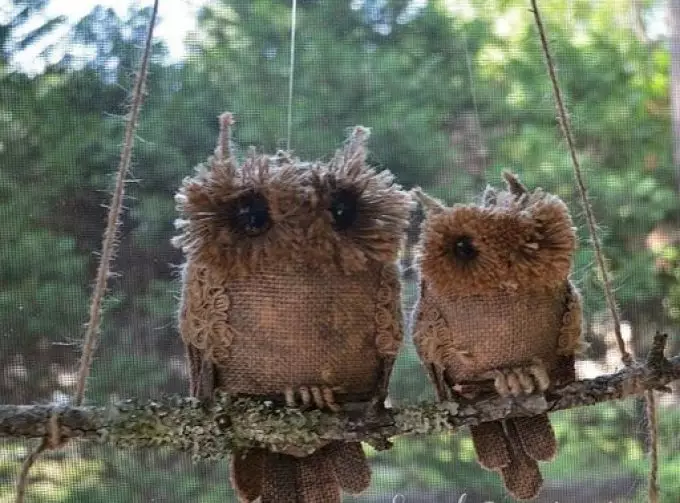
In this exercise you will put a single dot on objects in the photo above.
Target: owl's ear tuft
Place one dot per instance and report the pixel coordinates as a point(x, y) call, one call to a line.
point(352, 157)
point(360, 135)
point(429, 203)
point(490, 196)
point(515, 187)
point(223, 160)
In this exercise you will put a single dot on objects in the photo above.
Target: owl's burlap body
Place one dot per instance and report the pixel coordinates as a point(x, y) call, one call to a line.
point(272, 330)
point(290, 327)
point(466, 337)
point(475, 334)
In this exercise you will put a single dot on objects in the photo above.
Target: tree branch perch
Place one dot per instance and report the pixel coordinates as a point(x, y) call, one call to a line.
point(210, 431)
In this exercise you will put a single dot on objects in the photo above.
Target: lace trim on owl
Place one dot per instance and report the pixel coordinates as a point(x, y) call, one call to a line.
point(205, 322)
point(569, 341)
point(431, 338)
point(388, 319)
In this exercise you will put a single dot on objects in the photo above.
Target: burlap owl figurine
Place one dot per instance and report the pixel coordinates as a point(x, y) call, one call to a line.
point(291, 290)
point(498, 314)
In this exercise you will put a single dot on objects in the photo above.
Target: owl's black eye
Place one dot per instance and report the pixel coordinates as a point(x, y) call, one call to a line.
point(344, 208)
point(251, 214)
point(464, 249)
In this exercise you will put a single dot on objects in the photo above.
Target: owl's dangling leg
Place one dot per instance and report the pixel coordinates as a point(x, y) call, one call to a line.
point(246, 471)
point(513, 447)
point(278, 479)
point(535, 433)
point(522, 477)
point(202, 375)
point(316, 482)
point(317, 478)
point(491, 446)
point(537, 436)
point(350, 466)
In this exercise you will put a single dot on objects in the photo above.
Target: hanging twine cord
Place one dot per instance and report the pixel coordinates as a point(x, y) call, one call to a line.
point(53, 439)
point(563, 119)
point(291, 73)
point(653, 430)
point(113, 220)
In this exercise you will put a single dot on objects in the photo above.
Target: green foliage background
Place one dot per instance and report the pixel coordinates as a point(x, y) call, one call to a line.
point(453, 95)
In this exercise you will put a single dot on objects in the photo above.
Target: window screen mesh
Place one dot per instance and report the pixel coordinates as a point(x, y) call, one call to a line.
point(454, 93)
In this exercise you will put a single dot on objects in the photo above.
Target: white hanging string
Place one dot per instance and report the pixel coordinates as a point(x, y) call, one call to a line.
point(480, 142)
point(291, 71)
point(473, 93)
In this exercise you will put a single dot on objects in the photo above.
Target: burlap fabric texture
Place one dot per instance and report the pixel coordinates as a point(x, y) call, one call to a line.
point(496, 304)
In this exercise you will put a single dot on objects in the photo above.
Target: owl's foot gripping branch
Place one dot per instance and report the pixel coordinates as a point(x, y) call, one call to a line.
point(210, 431)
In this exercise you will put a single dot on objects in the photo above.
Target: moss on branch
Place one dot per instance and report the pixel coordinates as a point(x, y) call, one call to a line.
point(211, 430)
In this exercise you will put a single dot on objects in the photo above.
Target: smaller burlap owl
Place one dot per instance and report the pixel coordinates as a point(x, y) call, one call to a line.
point(498, 314)
point(291, 292)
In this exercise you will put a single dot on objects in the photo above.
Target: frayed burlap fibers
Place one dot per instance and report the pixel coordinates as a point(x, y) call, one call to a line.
point(497, 314)
point(291, 291)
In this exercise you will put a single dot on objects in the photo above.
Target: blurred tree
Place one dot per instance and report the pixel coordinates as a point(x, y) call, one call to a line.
point(355, 64)
point(60, 137)
point(16, 34)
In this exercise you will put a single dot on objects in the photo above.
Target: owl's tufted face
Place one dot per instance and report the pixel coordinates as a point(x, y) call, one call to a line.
point(276, 212)
point(509, 244)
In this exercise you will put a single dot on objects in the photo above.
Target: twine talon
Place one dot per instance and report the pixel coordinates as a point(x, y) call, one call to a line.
point(305, 396)
point(525, 381)
point(318, 397)
point(330, 399)
point(290, 397)
point(501, 384)
point(513, 383)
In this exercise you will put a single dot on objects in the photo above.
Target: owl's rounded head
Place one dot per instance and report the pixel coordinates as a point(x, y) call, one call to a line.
point(514, 241)
point(274, 212)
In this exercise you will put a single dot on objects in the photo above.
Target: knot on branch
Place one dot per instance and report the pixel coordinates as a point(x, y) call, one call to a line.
point(657, 364)
point(54, 438)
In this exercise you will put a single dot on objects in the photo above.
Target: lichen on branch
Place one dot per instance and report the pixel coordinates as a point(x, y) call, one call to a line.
point(212, 430)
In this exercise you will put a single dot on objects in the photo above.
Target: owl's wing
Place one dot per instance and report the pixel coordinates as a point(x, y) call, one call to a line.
point(201, 373)
point(389, 326)
point(202, 319)
point(426, 337)
point(572, 321)
point(569, 342)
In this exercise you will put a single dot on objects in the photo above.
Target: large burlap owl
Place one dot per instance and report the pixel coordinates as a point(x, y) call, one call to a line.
point(291, 290)
point(498, 314)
